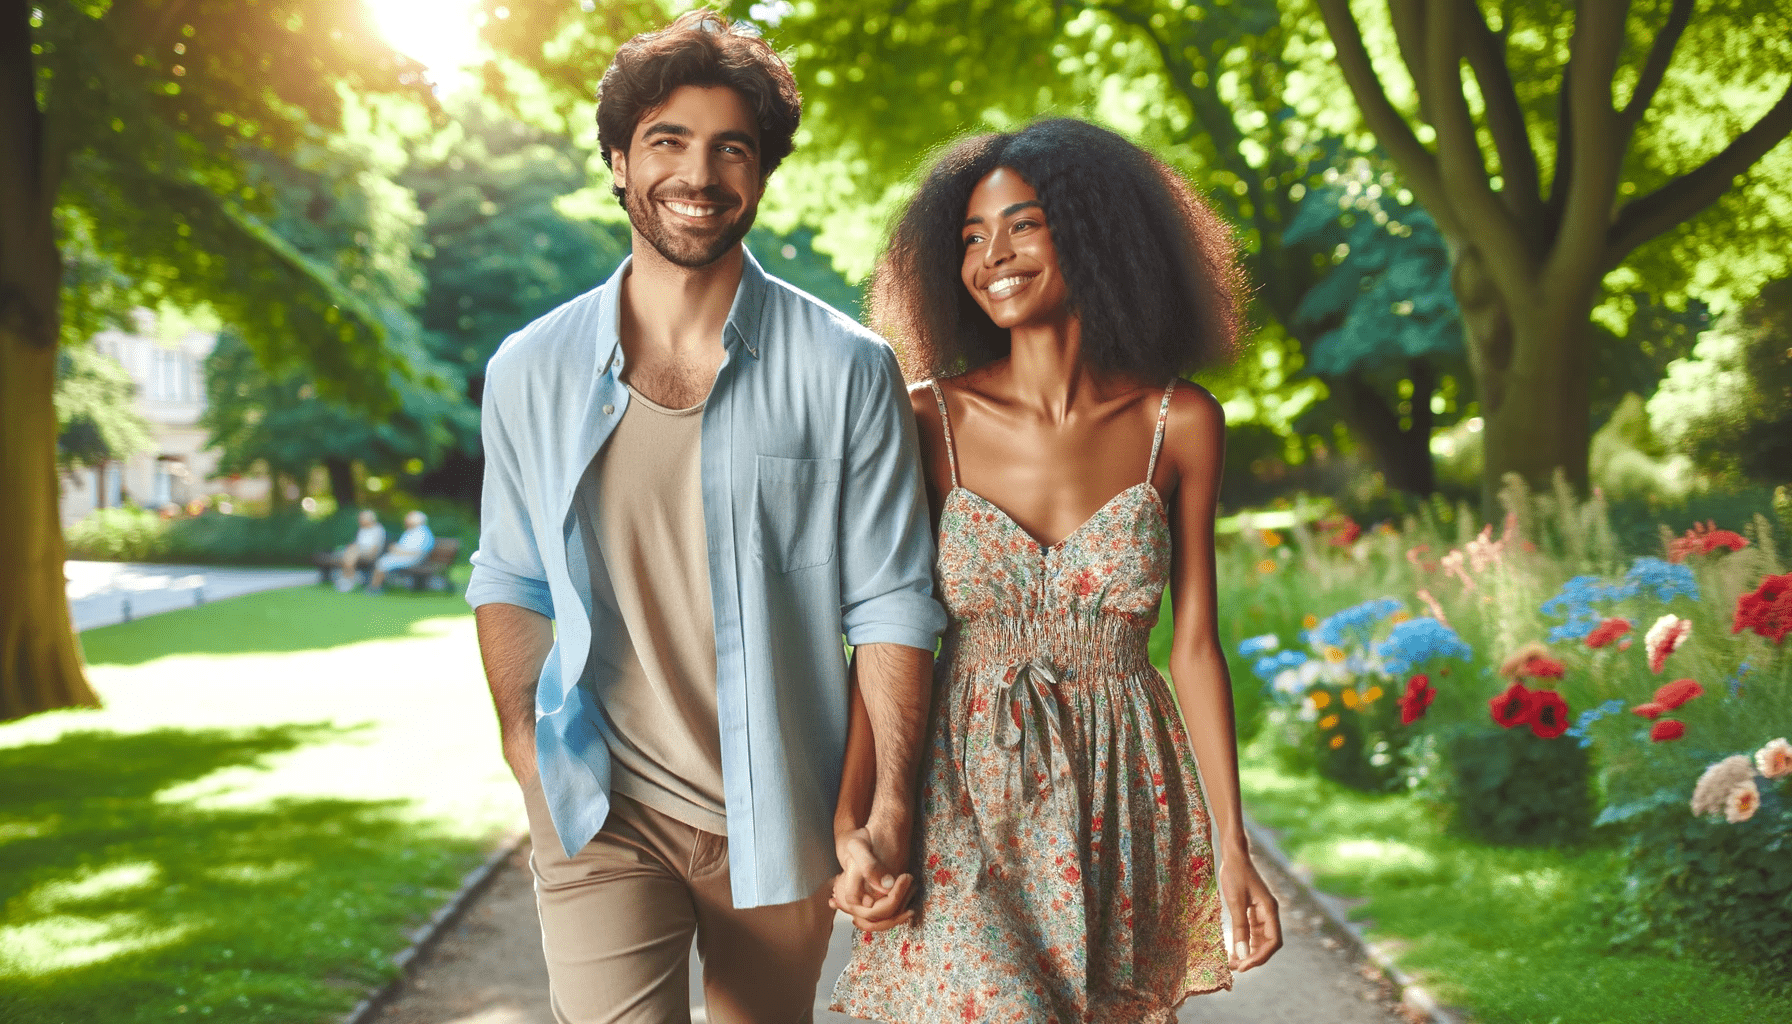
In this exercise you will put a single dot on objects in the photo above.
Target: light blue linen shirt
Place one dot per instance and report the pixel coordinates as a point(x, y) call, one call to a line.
point(817, 527)
point(418, 538)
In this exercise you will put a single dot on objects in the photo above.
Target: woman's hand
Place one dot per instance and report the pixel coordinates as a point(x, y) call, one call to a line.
point(1256, 920)
point(865, 890)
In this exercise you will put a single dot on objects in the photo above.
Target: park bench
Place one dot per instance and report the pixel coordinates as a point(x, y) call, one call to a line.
point(432, 572)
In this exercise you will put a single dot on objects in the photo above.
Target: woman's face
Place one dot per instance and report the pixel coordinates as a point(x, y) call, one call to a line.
point(1010, 264)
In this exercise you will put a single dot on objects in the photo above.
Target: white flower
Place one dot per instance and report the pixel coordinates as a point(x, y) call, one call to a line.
point(1664, 638)
point(1774, 759)
point(1719, 781)
point(1742, 802)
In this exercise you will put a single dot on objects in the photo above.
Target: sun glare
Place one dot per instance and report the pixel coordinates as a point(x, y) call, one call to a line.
point(442, 35)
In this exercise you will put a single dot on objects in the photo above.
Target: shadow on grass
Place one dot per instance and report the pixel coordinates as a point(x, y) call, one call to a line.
point(118, 906)
point(274, 621)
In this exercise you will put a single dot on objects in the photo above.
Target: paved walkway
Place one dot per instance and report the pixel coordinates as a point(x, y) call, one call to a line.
point(104, 593)
point(488, 970)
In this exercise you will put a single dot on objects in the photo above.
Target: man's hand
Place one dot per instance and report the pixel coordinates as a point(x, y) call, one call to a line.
point(874, 885)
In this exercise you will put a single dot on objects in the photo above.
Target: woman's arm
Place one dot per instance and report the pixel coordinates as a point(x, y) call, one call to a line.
point(1195, 448)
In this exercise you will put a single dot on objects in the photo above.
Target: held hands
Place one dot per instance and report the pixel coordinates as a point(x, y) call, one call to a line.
point(1256, 921)
point(873, 887)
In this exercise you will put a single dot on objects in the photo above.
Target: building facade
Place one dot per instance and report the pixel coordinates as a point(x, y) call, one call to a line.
point(169, 371)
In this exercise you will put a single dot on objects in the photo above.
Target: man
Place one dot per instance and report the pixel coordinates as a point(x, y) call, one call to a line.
point(698, 479)
point(414, 545)
point(370, 543)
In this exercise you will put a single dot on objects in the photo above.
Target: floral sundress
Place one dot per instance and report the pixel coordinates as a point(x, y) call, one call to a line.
point(1065, 867)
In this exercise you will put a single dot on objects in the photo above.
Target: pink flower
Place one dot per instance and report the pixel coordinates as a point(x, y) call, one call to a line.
point(1742, 803)
point(1774, 759)
point(1664, 638)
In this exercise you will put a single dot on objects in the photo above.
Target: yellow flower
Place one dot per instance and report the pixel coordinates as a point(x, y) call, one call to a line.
point(1399, 616)
point(1372, 695)
point(1271, 539)
point(1329, 722)
point(1335, 655)
point(1349, 697)
point(1337, 741)
point(1309, 620)
point(1320, 699)
point(1267, 566)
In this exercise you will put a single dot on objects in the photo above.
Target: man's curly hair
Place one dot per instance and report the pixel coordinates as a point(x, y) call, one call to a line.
point(701, 48)
point(1152, 271)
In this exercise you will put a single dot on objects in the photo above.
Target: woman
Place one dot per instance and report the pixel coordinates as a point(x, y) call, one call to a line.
point(1053, 284)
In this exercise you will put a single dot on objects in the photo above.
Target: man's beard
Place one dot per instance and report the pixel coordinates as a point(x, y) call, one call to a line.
point(678, 247)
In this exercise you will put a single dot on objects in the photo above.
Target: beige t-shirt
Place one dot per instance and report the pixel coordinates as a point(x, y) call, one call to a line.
point(642, 499)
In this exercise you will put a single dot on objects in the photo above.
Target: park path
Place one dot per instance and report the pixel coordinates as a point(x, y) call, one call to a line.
point(105, 593)
point(487, 969)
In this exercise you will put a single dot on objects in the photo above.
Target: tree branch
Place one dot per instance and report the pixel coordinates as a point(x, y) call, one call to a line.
point(1505, 118)
point(1681, 199)
point(1408, 17)
point(1661, 52)
point(1487, 220)
point(1417, 164)
point(1599, 144)
point(1564, 169)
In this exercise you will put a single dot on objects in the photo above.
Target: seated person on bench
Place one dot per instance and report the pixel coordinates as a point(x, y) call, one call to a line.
point(370, 541)
point(412, 548)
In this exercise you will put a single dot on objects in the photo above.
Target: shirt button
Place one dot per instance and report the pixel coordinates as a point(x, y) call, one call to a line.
point(609, 410)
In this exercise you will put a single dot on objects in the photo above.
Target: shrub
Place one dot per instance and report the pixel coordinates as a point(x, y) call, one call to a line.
point(212, 538)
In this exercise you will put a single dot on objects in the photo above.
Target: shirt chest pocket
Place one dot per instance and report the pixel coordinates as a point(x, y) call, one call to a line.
point(796, 511)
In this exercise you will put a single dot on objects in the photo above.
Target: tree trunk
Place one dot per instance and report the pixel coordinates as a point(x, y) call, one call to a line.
point(1532, 361)
point(40, 664)
point(342, 482)
point(1402, 455)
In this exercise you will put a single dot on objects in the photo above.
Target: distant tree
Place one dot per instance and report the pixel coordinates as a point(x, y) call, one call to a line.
point(1574, 137)
point(96, 414)
point(1729, 406)
point(139, 117)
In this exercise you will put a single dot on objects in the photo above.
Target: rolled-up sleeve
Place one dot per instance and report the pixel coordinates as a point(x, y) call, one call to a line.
point(886, 563)
point(507, 567)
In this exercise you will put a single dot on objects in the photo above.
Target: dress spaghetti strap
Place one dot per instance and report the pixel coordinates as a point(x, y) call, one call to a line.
point(946, 422)
point(1157, 443)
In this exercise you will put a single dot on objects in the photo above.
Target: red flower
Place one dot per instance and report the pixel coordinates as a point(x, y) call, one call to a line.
point(1678, 692)
point(1650, 710)
point(1767, 611)
point(1071, 874)
point(1667, 729)
point(1703, 539)
point(1514, 707)
point(1344, 530)
point(1549, 714)
point(1607, 631)
point(1419, 695)
point(1532, 661)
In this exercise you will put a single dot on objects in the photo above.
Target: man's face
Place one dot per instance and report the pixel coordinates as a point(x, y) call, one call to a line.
point(413, 520)
point(691, 178)
point(367, 519)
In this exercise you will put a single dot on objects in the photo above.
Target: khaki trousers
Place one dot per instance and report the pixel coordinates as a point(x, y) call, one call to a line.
point(617, 921)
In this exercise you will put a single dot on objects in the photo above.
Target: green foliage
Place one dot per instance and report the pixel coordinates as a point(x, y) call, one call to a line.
point(1507, 787)
point(1712, 886)
point(96, 419)
point(1729, 406)
point(156, 117)
point(1388, 299)
point(212, 538)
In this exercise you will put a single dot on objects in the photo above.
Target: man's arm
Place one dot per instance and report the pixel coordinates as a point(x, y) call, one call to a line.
point(874, 820)
point(514, 643)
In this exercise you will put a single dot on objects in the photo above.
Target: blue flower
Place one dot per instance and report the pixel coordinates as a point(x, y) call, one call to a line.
point(1663, 577)
point(1266, 667)
point(1258, 644)
point(1417, 641)
point(1355, 622)
point(1735, 682)
point(1591, 715)
point(1579, 595)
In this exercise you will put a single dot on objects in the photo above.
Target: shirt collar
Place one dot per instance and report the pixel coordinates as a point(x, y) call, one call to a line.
point(744, 316)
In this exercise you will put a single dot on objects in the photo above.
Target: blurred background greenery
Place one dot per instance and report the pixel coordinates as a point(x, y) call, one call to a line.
point(290, 234)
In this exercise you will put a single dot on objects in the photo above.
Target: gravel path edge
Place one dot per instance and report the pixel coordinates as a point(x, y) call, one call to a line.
point(425, 935)
point(1413, 996)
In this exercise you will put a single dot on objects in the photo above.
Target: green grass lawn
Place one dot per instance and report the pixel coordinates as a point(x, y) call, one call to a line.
point(279, 787)
point(1513, 936)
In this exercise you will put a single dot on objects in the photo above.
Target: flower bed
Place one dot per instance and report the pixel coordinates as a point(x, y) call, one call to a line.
point(1542, 689)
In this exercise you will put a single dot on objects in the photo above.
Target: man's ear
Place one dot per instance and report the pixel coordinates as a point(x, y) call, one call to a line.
point(619, 168)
